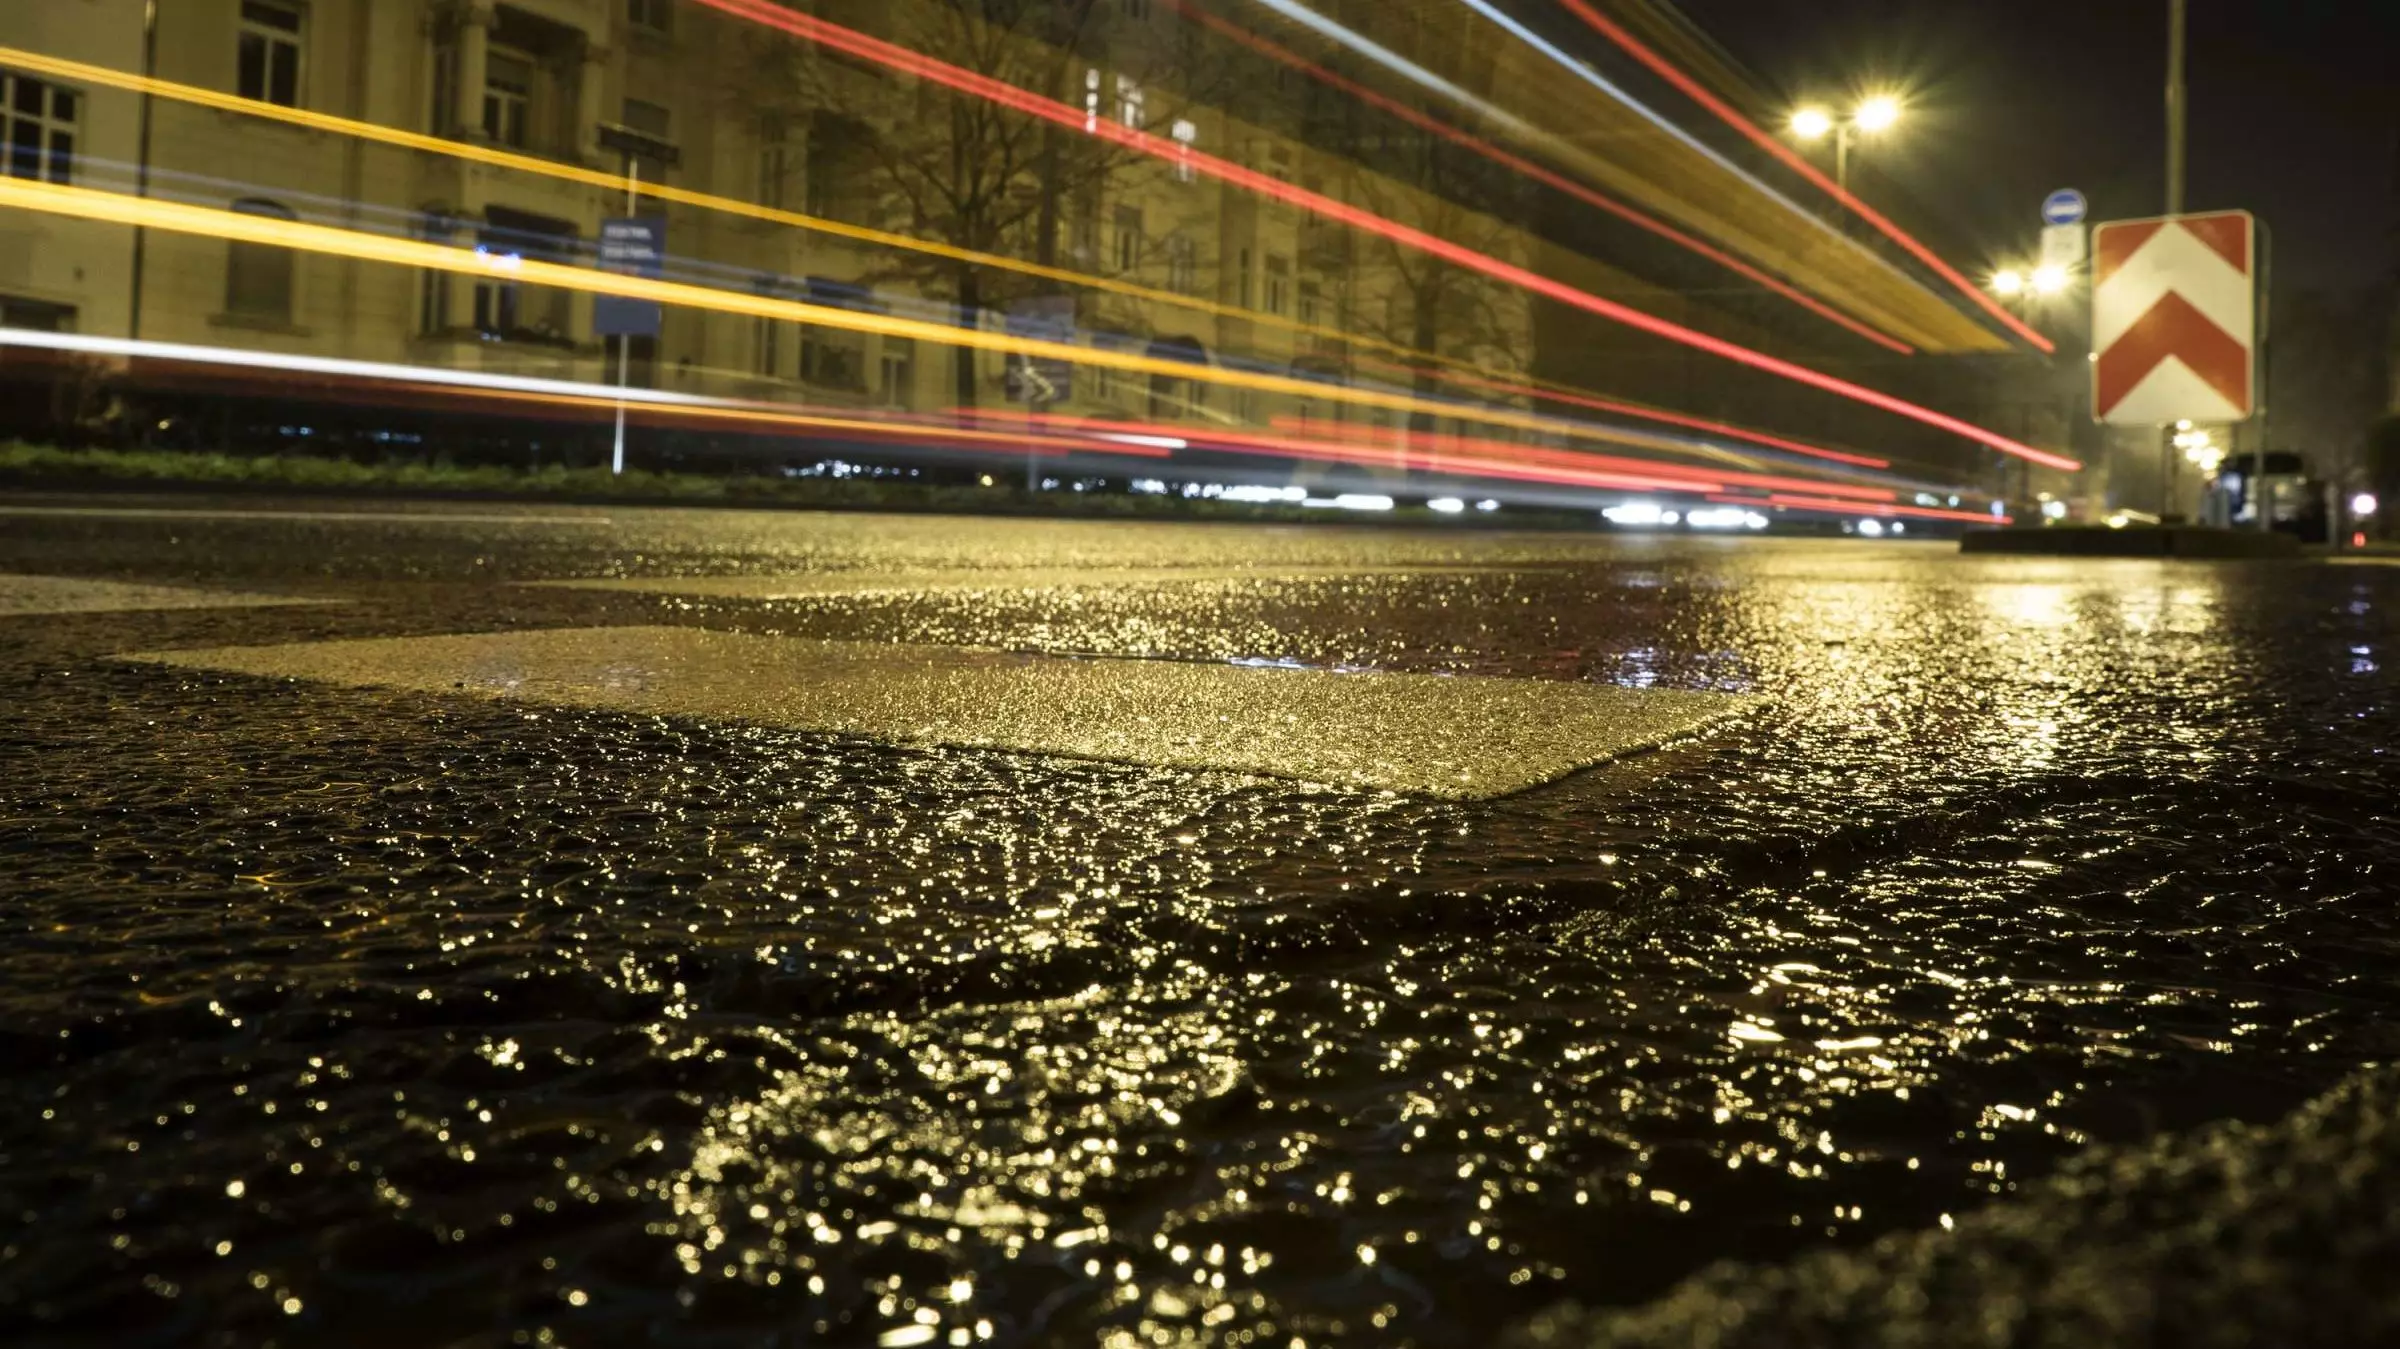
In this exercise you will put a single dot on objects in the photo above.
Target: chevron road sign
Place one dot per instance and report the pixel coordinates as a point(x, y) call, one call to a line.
point(2174, 319)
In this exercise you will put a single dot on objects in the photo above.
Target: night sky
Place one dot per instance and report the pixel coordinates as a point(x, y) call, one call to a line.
point(2295, 111)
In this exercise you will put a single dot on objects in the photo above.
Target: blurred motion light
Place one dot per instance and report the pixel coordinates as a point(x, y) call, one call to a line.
point(1634, 513)
point(1877, 114)
point(1810, 123)
point(2008, 281)
point(1724, 517)
point(1446, 505)
point(1872, 529)
point(2049, 278)
point(2363, 505)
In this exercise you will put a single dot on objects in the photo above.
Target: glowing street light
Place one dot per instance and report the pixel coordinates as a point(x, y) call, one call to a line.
point(1878, 113)
point(2008, 281)
point(2049, 279)
point(1872, 115)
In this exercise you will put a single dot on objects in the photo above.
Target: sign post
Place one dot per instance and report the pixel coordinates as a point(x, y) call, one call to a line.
point(1040, 382)
point(2175, 325)
point(631, 245)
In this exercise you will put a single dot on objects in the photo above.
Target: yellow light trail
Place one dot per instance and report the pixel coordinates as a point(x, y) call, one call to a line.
point(176, 217)
point(38, 64)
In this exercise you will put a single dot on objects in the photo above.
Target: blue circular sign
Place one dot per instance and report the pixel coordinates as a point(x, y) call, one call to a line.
point(2064, 207)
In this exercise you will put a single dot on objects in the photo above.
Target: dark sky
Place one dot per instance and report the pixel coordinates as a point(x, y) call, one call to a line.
point(2295, 109)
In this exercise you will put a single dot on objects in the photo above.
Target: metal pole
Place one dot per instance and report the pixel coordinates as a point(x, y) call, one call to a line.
point(141, 171)
point(2166, 474)
point(1841, 156)
point(2266, 404)
point(2175, 105)
point(616, 459)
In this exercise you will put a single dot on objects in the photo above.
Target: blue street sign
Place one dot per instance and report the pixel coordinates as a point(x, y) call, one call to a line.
point(2064, 207)
point(633, 246)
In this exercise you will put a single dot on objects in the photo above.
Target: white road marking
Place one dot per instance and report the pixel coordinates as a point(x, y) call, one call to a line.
point(1459, 737)
point(23, 594)
point(345, 517)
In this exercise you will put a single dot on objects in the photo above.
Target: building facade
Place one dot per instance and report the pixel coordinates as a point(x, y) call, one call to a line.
point(509, 103)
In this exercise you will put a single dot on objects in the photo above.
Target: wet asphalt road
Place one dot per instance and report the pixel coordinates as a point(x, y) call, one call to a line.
point(341, 1016)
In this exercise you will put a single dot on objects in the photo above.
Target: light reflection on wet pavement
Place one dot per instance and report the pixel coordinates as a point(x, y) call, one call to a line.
point(335, 1015)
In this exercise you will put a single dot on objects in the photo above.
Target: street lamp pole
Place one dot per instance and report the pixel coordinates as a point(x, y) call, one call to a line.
point(2176, 99)
point(1872, 115)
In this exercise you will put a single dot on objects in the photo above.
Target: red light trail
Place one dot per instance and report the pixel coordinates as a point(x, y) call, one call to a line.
point(1007, 95)
point(1725, 429)
point(1541, 174)
point(1699, 93)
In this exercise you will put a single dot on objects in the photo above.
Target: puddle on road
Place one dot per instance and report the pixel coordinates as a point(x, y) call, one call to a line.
point(1457, 737)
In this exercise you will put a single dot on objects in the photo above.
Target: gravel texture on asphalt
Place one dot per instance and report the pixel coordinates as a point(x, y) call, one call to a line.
point(343, 1015)
point(2238, 1235)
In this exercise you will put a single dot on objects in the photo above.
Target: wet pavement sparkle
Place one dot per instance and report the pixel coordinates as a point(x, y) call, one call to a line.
point(337, 1015)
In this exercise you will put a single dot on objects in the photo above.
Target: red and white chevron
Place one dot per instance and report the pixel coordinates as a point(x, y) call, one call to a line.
point(2174, 318)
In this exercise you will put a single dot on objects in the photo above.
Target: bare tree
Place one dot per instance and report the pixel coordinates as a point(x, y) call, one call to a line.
point(1427, 304)
point(919, 158)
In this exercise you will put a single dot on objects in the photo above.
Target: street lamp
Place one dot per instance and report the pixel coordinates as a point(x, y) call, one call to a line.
point(1871, 116)
point(2049, 279)
point(2008, 281)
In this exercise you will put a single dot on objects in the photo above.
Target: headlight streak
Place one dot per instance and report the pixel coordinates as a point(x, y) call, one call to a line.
point(1007, 95)
point(1001, 434)
point(37, 63)
point(1700, 94)
point(1542, 174)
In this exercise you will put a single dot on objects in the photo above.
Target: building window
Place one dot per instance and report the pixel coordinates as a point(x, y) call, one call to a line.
point(507, 309)
point(1186, 134)
point(1241, 280)
point(897, 380)
point(507, 96)
point(651, 15)
point(774, 165)
point(267, 61)
point(258, 277)
point(1279, 283)
point(766, 347)
point(434, 226)
point(1129, 102)
point(1309, 297)
point(832, 359)
point(837, 180)
point(1183, 266)
point(1129, 238)
point(654, 121)
point(37, 127)
point(440, 119)
point(650, 119)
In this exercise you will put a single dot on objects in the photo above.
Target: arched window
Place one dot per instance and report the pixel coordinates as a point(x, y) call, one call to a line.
point(258, 277)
